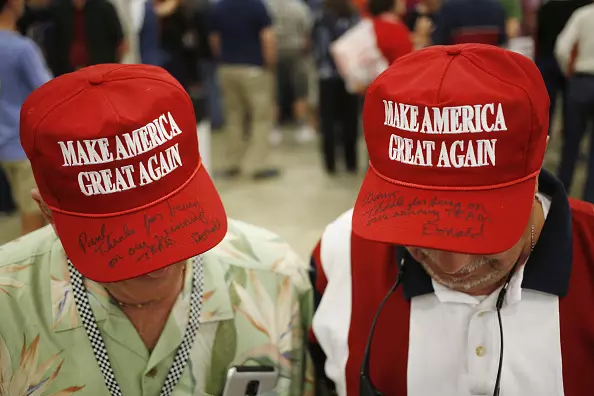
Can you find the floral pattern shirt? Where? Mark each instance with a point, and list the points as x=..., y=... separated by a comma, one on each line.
x=256, y=310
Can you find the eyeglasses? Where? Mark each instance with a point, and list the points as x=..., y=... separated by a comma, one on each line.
x=366, y=387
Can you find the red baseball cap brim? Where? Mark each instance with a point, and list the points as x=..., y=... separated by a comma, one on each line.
x=187, y=223
x=479, y=222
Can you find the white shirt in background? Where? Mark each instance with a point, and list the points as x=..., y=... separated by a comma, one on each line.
x=131, y=14
x=579, y=31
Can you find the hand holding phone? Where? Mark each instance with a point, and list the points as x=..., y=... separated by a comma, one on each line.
x=250, y=380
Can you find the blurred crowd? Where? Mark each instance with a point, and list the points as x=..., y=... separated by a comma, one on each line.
x=252, y=67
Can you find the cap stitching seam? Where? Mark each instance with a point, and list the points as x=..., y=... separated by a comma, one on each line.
x=135, y=209
x=156, y=79
x=107, y=74
x=378, y=80
x=441, y=78
x=44, y=115
x=487, y=70
x=57, y=104
x=113, y=110
x=453, y=188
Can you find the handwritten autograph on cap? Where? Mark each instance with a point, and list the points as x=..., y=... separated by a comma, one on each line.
x=471, y=217
x=160, y=229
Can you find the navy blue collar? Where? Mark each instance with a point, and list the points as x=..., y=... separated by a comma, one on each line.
x=549, y=267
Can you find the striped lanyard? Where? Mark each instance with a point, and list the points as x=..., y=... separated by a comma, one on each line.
x=183, y=352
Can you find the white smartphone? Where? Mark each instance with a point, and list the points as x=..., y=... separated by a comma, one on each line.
x=250, y=380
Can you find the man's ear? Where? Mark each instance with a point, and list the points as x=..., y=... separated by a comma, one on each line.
x=45, y=210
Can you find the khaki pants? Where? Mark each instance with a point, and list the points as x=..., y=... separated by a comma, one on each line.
x=21, y=180
x=247, y=95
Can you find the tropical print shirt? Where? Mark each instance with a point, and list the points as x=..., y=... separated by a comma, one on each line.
x=256, y=310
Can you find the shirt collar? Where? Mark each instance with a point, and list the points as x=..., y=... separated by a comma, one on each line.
x=549, y=266
x=216, y=305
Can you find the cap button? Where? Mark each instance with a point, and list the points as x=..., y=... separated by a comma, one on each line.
x=454, y=51
x=95, y=78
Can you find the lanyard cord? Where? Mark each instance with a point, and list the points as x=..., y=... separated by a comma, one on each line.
x=183, y=352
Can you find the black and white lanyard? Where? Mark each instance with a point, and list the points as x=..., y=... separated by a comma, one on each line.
x=183, y=352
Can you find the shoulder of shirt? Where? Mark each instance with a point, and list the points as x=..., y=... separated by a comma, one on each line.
x=22, y=43
x=28, y=247
x=251, y=247
x=584, y=12
x=342, y=222
x=335, y=233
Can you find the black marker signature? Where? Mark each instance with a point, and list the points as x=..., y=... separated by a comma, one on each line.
x=191, y=219
x=417, y=212
x=105, y=241
x=215, y=225
x=432, y=228
x=373, y=197
x=382, y=205
x=149, y=220
x=114, y=261
x=147, y=249
x=174, y=209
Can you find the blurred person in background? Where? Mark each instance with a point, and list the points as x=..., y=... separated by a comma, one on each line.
x=22, y=70
x=35, y=22
x=292, y=23
x=361, y=7
x=529, y=11
x=338, y=109
x=141, y=30
x=178, y=40
x=242, y=39
x=85, y=32
x=551, y=18
x=392, y=35
x=420, y=20
x=207, y=65
x=316, y=9
x=513, y=15
x=575, y=53
x=470, y=21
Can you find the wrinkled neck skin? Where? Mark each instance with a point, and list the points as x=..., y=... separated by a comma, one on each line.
x=157, y=288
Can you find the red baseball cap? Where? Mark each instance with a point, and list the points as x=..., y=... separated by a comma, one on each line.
x=456, y=138
x=114, y=150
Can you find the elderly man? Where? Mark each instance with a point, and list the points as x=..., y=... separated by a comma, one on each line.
x=487, y=245
x=140, y=285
